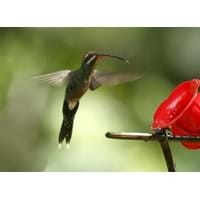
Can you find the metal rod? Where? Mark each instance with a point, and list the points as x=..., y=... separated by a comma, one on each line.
x=164, y=144
x=168, y=155
x=151, y=137
x=163, y=138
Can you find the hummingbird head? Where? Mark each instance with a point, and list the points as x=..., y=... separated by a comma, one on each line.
x=91, y=57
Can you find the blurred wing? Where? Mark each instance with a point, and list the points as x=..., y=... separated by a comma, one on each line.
x=56, y=78
x=112, y=78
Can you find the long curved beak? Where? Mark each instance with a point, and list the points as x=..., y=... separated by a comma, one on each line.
x=99, y=56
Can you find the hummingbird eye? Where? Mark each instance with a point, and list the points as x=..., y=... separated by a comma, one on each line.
x=89, y=54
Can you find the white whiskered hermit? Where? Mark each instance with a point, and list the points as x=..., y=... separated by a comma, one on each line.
x=78, y=82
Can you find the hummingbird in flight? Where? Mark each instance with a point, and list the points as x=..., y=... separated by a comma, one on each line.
x=77, y=83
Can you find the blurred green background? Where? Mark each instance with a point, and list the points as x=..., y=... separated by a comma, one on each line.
x=31, y=113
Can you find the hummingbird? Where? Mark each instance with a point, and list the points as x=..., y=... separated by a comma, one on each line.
x=78, y=82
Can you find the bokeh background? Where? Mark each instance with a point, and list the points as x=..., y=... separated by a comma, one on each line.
x=31, y=112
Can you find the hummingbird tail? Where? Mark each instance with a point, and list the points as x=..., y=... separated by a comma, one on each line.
x=67, y=124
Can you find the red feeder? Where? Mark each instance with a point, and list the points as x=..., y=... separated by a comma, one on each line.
x=181, y=112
